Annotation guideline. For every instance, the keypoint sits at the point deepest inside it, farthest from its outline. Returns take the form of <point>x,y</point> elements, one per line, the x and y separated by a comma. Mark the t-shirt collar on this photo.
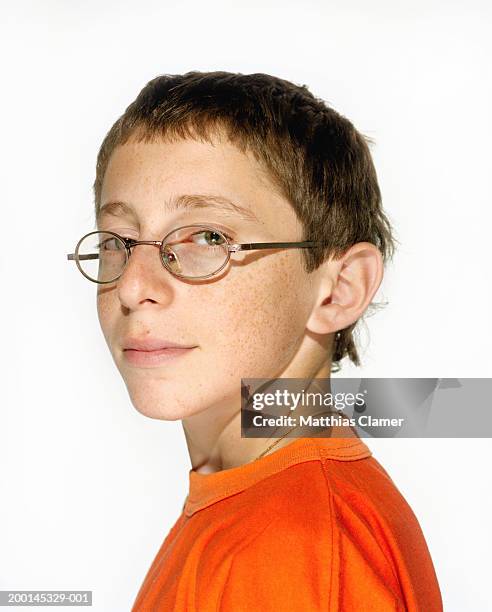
<point>206,489</point>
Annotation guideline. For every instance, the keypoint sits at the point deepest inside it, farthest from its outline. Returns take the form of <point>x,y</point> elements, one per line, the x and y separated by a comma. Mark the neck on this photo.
<point>215,443</point>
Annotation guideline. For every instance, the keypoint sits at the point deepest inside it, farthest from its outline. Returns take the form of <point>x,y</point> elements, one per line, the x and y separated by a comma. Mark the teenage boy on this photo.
<point>198,164</point>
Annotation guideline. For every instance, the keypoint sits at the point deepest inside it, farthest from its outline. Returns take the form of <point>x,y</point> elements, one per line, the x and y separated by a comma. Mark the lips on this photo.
<point>152,344</point>
<point>152,352</point>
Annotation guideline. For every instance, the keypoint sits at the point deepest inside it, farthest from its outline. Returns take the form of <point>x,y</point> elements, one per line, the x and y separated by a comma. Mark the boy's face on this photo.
<point>249,321</point>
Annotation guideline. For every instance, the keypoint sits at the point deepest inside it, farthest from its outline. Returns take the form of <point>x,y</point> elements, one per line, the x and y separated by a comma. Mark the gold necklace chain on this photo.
<point>285,434</point>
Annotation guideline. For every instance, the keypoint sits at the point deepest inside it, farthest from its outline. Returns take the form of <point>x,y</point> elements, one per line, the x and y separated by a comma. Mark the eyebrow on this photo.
<point>185,202</point>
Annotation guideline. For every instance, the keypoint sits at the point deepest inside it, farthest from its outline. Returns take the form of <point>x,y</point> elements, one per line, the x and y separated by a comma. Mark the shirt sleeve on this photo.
<point>296,567</point>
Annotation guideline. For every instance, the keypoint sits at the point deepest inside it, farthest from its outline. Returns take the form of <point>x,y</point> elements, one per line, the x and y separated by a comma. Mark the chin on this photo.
<point>158,402</point>
<point>153,412</point>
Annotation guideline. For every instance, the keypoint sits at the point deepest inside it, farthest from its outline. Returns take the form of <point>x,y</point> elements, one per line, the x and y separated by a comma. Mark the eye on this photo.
<point>110,244</point>
<point>210,238</point>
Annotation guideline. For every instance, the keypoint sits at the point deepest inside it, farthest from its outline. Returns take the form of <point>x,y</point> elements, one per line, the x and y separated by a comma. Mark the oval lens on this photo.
<point>101,256</point>
<point>195,251</point>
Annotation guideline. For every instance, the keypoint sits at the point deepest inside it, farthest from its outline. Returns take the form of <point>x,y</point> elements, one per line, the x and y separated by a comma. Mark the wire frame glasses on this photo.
<point>194,251</point>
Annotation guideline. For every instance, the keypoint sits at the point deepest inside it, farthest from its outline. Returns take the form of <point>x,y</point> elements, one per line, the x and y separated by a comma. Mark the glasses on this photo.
<point>191,252</point>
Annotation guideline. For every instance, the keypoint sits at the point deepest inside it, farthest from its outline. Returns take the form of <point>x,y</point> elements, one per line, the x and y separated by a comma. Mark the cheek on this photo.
<point>105,313</point>
<point>261,318</point>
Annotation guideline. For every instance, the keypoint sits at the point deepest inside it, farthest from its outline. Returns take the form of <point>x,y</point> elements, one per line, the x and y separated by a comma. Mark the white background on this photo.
<point>89,486</point>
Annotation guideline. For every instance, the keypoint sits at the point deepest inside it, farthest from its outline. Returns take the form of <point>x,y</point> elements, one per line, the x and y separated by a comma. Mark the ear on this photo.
<point>346,288</point>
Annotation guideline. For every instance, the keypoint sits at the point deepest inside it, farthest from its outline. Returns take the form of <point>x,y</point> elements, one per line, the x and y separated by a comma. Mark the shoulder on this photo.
<point>330,532</point>
<point>292,559</point>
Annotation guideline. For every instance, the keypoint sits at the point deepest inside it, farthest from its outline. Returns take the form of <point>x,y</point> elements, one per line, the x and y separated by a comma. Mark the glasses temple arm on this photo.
<point>80,257</point>
<point>250,246</point>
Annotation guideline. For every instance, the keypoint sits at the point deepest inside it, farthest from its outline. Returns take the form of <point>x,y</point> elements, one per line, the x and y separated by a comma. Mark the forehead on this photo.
<point>151,178</point>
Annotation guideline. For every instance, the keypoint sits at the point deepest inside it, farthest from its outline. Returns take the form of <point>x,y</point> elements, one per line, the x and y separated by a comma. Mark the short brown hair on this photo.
<point>314,156</point>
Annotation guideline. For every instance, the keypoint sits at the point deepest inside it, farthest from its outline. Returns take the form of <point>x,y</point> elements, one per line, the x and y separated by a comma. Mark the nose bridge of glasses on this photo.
<point>131,243</point>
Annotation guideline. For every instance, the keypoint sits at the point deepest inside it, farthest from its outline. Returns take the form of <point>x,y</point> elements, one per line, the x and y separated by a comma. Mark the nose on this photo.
<point>144,279</point>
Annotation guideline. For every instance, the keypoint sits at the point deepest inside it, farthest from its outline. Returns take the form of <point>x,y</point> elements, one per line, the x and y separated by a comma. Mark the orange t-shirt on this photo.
<point>316,525</point>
